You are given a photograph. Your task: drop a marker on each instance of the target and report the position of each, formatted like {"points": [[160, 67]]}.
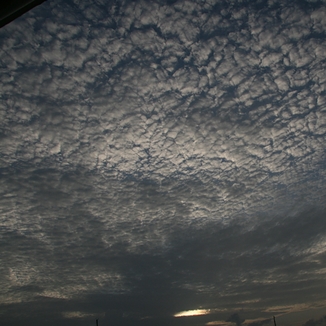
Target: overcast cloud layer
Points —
{"points": [[163, 156]]}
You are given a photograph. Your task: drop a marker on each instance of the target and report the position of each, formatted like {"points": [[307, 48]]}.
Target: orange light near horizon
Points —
{"points": [[196, 312]]}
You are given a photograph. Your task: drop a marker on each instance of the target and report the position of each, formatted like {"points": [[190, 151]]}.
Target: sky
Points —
{"points": [[164, 163]]}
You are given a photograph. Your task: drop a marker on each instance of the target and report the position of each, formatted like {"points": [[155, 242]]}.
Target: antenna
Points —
{"points": [[273, 318], [96, 322]]}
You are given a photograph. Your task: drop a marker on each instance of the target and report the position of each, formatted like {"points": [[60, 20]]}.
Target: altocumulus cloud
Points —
{"points": [[159, 157]]}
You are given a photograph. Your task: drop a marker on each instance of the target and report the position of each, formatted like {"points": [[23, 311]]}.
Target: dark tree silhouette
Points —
{"points": [[235, 318]]}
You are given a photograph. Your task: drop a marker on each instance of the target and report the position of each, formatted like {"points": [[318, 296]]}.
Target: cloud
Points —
{"points": [[163, 157], [258, 322], [78, 314], [217, 322], [313, 322], [196, 312]]}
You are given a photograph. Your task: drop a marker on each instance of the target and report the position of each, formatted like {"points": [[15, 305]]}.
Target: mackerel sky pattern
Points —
{"points": [[163, 156]]}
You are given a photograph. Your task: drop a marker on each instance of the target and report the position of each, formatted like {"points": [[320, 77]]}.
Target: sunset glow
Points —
{"points": [[196, 312]]}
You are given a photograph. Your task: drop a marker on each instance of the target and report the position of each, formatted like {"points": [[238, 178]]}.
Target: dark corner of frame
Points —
{"points": [[10, 10]]}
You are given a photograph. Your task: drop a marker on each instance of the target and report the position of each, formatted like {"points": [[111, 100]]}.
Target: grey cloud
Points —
{"points": [[154, 150], [313, 322], [260, 322]]}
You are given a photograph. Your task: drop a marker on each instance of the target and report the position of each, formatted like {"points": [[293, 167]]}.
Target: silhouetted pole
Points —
{"points": [[96, 322], [273, 318]]}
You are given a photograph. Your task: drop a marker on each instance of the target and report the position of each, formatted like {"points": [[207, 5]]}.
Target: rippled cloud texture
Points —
{"points": [[160, 157]]}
